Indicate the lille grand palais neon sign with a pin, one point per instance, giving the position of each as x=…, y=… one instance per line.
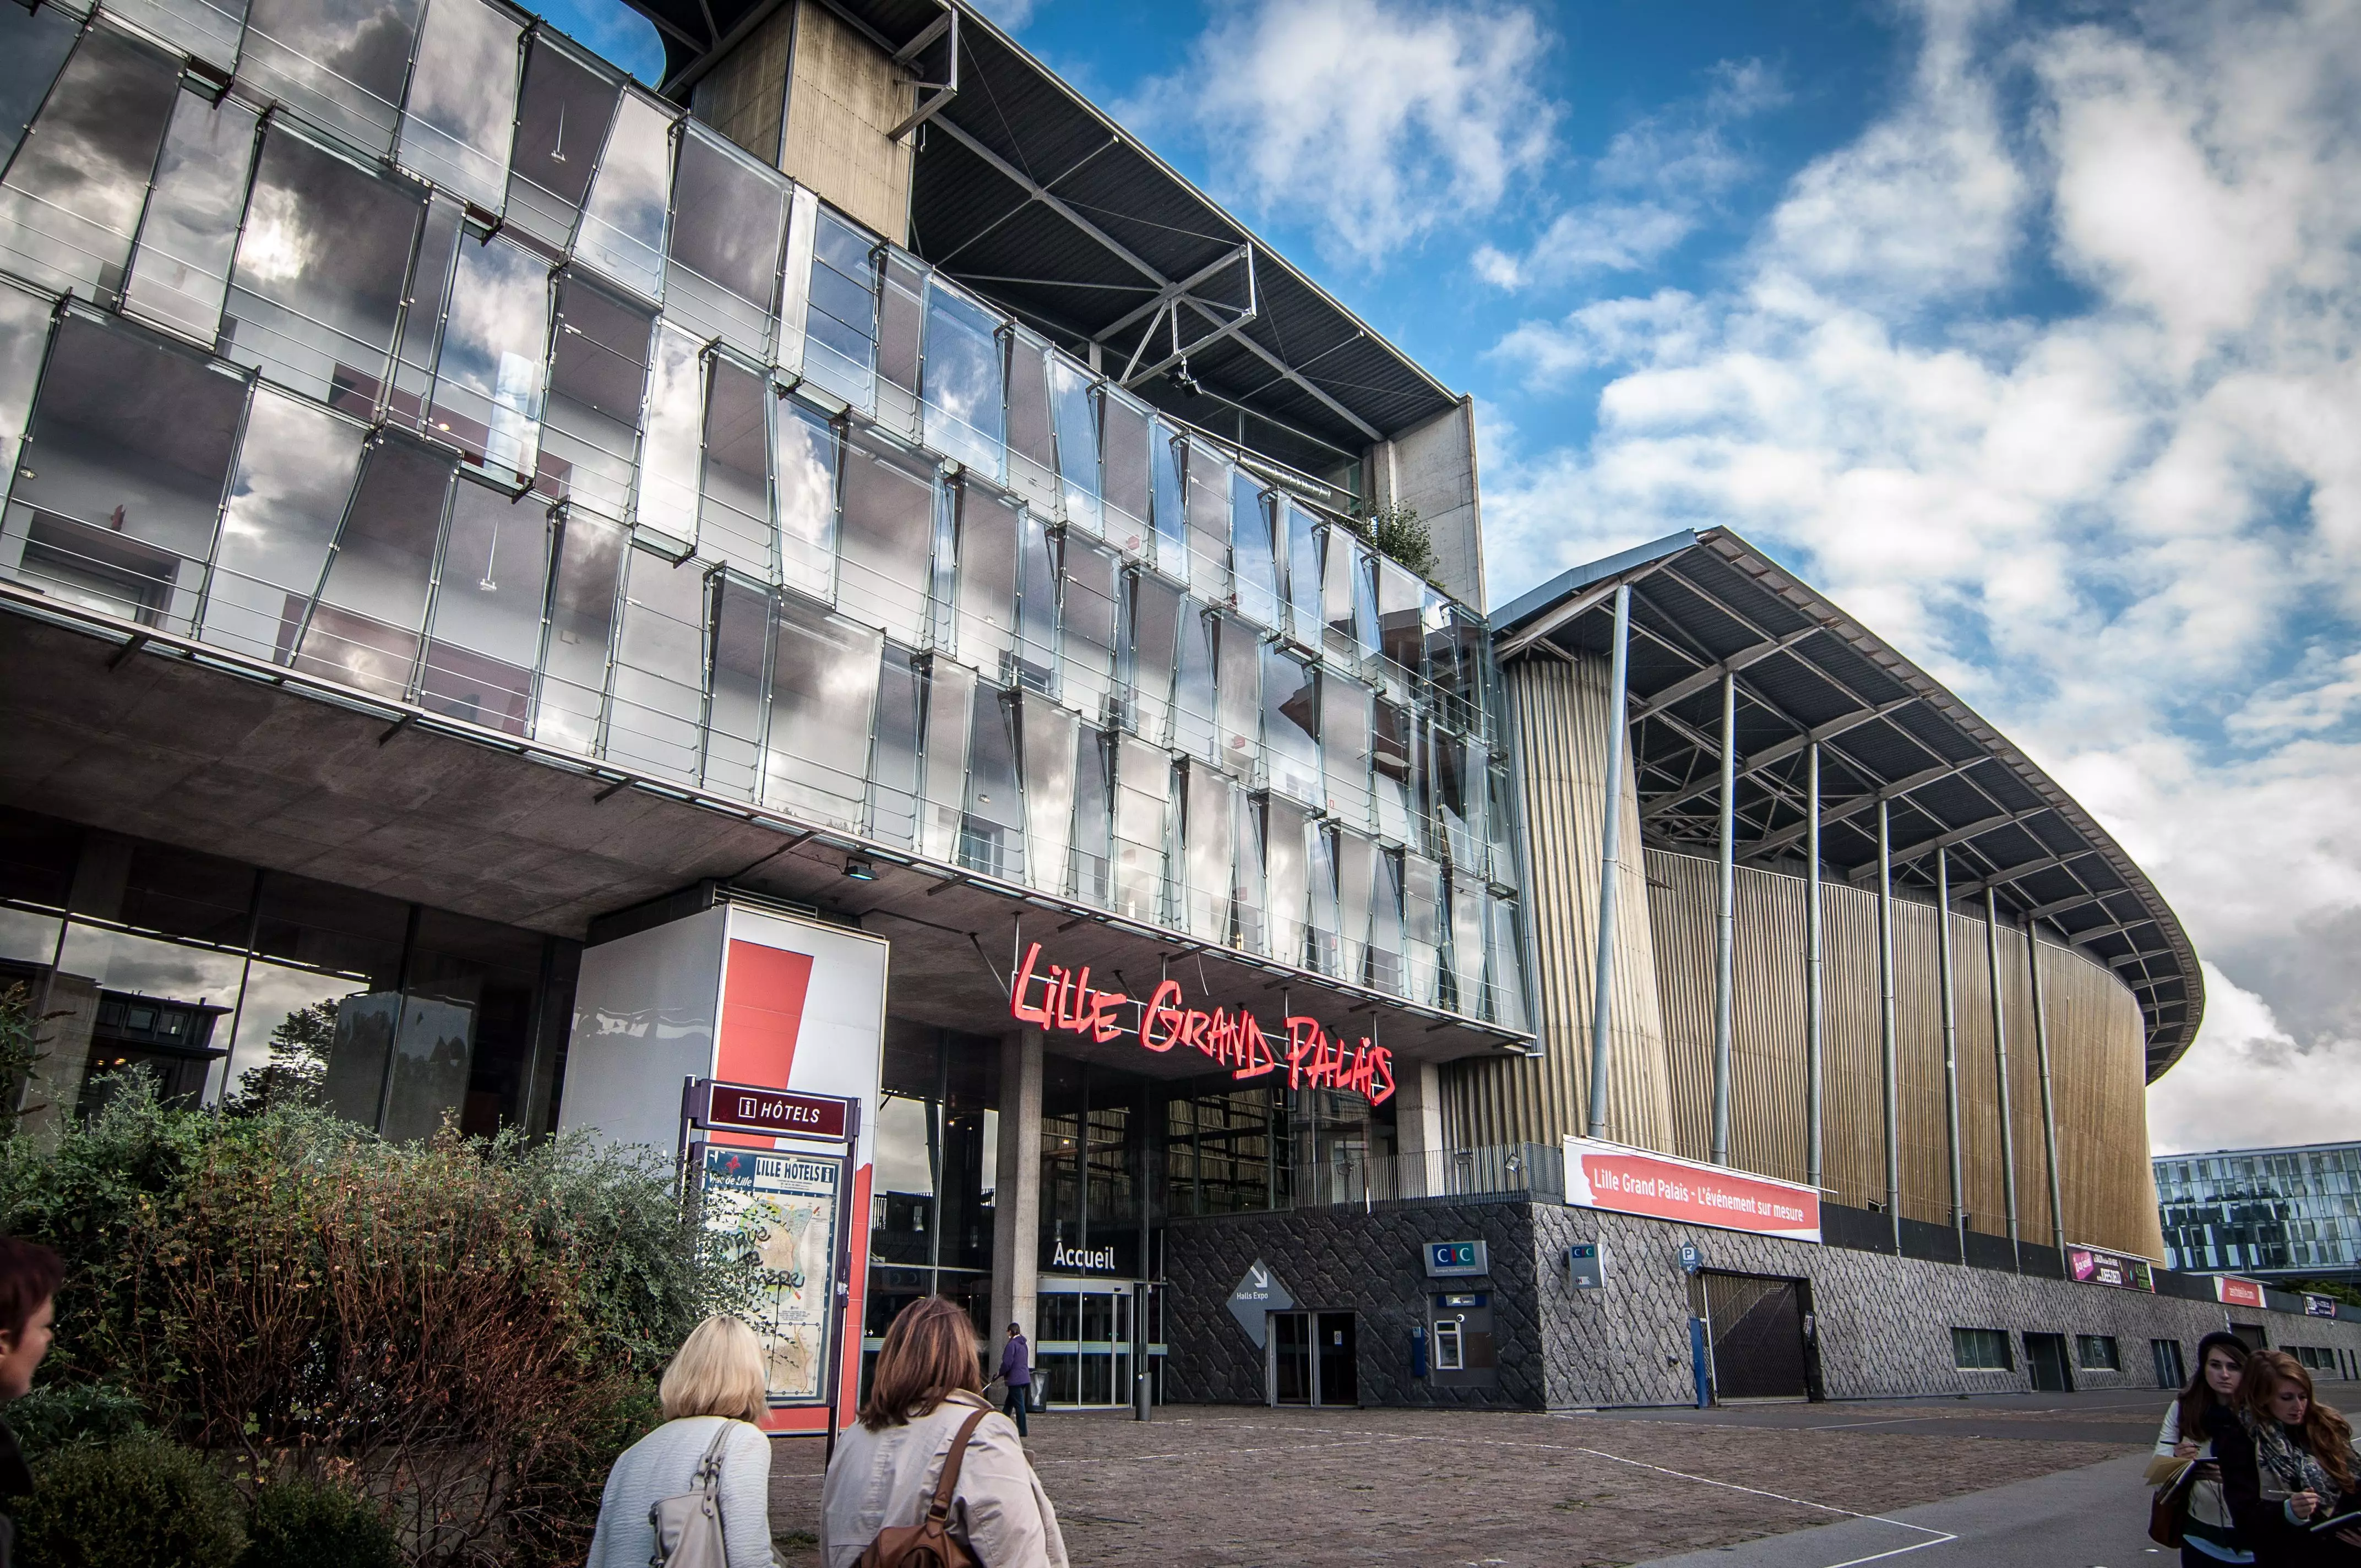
x=1068, y=1003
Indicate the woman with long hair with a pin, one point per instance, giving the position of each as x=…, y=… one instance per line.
x=713, y=1395
x=2208, y=1534
x=929, y=1382
x=2287, y=1463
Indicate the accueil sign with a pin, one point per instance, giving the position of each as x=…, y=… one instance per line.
x=1063, y=1001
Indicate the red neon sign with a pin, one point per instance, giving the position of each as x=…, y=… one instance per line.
x=1307, y=1053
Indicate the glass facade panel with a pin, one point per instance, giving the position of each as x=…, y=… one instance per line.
x=1123, y=440
x=1210, y=477
x=734, y=760
x=1459, y=801
x=1384, y=964
x=659, y=675
x=1322, y=923
x=338, y=63
x=728, y=219
x=598, y=375
x=1356, y=882
x=992, y=833
x=824, y=675
x=894, y=762
x=1239, y=698
x=985, y=633
x=487, y=392
x=1466, y=949
x=295, y=472
x=888, y=526
x=562, y=119
x=1247, y=895
x=1032, y=446
x=1504, y=970
x=1305, y=590
x=1076, y=412
x=1290, y=725
x=950, y=712
x=1192, y=683
x=33, y=49
x=672, y=437
x=1208, y=833
x=1401, y=625
x=364, y=631
x=1094, y=853
x=180, y=272
x=23, y=339
x=1347, y=723
x=460, y=119
x=1254, y=562
x=316, y=291
x=1088, y=617
x=70, y=203
x=581, y=622
x=1168, y=457
x=964, y=413
x=1142, y=798
x=622, y=234
x=733, y=524
x=408, y=400
x=1152, y=647
x=840, y=316
x=485, y=640
x=1050, y=736
x=1287, y=892
x=1037, y=603
x=804, y=462
x=901, y=335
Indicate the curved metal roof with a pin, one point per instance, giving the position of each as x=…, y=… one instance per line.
x=1027, y=193
x=1707, y=603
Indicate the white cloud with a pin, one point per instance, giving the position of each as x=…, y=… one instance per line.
x=1011, y=15
x=2128, y=531
x=2246, y=1083
x=1376, y=118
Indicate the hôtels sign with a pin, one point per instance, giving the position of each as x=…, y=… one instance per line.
x=1061, y=1000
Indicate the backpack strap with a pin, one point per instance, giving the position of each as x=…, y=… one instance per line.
x=708, y=1469
x=942, y=1507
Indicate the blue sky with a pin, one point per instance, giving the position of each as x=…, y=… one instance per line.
x=2031, y=335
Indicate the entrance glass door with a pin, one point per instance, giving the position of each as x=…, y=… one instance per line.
x=1315, y=1359
x=1085, y=1345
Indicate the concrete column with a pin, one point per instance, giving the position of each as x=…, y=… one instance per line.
x=1418, y=1128
x=1017, y=1188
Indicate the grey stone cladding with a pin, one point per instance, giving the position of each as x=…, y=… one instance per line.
x=1884, y=1322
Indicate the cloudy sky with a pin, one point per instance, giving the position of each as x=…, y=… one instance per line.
x=2028, y=334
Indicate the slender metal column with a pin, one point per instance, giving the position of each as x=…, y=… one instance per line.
x=1950, y=1045
x=1725, y=952
x=2048, y=1116
x=2000, y=1062
x=1886, y=1044
x=1610, y=841
x=1813, y=1012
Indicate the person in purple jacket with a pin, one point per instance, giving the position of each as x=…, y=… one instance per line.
x=1016, y=1370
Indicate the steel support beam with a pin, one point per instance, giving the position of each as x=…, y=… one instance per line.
x=1861, y=803
x=1726, y=923
x=1888, y=1053
x=1941, y=841
x=1690, y=685
x=1950, y=1047
x=2003, y=876
x=1771, y=755
x=2048, y=1112
x=1813, y=1013
x=1611, y=835
x=2000, y=1062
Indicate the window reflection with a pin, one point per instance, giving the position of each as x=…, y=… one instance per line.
x=729, y=214
x=365, y=630
x=992, y=834
x=1087, y=627
x=736, y=704
x=986, y=630
x=889, y=512
x=70, y=203
x=562, y=118
x=599, y=370
x=1252, y=558
x=463, y=100
x=1048, y=735
x=494, y=340
x=408, y=402
x=180, y=274
x=671, y=437
x=840, y=321
x=1290, y=725
x=1076, y=412
x=296, y=473
x=33, y=49
x=1032, y=448
x=1143, y=796
x=659, y=672
x=1209, y=821
x=894, y=775
x=622, y=228
x=804, y=462
x=1124, y=438
x=486, y=638
x=734, y=516
x=338, y=63
x=23, y=337
x=950, y=700
x=1210, y=475
x=824, y=687
x=963, y=390
x=581, y=619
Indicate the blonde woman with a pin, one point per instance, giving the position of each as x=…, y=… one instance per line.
x=712, y=1389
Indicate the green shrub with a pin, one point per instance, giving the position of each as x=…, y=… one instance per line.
x=310, y=1524
x=552, y=1516
x=130, y=1505
x=55, y=1414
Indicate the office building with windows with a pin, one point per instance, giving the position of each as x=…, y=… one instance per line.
x=2279, y=1214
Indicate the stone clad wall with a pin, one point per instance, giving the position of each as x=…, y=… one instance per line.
x=1884, y=1322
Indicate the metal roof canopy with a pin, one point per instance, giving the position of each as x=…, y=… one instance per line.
x=1707, y=603
x=1028, y=195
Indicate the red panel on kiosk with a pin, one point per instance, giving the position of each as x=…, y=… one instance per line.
x=762, y=1012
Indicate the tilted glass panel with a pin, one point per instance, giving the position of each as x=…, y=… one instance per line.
x=1075, y=411
x=33, y=49
x=562, y=119
x=1143, y=794
x=206, y=30
x=622, y=230
x=316, y=291
x=119, y=484
x=1037, y=603
x=1166, y=457
x=1094, y=853
x=1246, y=890
x=964, y=376
x=1305, y=589
x=1392, y=756
x=1504, y=965
x=179, y=270
x=598, y=379
x=1208, y=836
x=900, y=331
x=1422, y=930
x=1151, y=647
x=1322, y=922
x=950, y=713
x=364, y=631
x=1210, y=476
x=1401, y=628
x=337, y=63
x=582, y=610
x=487, y=392
x=1238, y=702
x=888, y=526
x=728, y=217
x=1356, y=883
x=1048, y=736
x=1192, y=683
x=734, y=760
x=1500, y=824
x=24, y=340
x=840, y=316
x=671, y=434
x=734, y=514
x=1286, y=832
x=485, y=638
x=1454, y=664
x=460, y=119
x=824, y=675
x=1466, y=955
x=1459, y=801
x=1348, y=599
x=1253, y=564
x=1384, y=970
x=1093, y=582
x=794, y=281
x=1123, y=442
x=1290, y=725
x=295, y=471
x=991, y=835
x=658, y=710
x=411, y=401
x=894, y=765
x=70, y=203
x=805, y=461
x=987, y=630
x=1346, y=725
x=1032, y=448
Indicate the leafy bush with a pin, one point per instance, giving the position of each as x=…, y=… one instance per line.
x=559, y=1505
x=308, y=1524
x=130, y=1505
x=57, y=1414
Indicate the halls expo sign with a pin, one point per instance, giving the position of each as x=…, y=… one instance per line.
x=1632, y=1182
x=1063, y=1001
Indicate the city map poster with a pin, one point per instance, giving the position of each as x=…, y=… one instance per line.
x=789, y=1204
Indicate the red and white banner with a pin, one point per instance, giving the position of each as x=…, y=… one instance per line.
x=1634, y=1181
x=2233, y=1291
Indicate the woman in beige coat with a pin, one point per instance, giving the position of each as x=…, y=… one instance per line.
x=929, y=1381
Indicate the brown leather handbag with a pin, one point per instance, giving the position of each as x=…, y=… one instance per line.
x=929, y=1543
